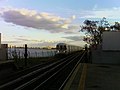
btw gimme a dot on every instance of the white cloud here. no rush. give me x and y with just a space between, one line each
74 38
112 13
10 42
37 20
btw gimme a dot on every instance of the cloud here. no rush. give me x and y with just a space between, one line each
74 38
112 13
38 41
29 40
21 39
37 20
33 43
10 42
42 44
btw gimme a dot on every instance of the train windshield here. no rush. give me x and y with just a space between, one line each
65 47
61 47
57 47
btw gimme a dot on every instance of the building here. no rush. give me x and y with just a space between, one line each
3 50
111 41
109 51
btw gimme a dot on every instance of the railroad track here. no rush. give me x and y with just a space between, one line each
44 78
24 72
57 80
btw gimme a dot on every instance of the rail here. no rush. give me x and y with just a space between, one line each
64 83
21 80
52 76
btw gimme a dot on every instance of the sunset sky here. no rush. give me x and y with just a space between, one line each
47 22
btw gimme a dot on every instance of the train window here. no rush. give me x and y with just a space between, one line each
65 47
60 47
57 46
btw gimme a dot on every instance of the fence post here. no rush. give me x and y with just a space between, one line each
42 53
51 53
25 55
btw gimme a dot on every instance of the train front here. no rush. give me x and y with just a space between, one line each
61 48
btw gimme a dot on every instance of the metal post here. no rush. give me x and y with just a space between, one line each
25 55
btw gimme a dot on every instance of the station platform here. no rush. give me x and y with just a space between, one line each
94 77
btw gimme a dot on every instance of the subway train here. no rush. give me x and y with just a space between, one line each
63 48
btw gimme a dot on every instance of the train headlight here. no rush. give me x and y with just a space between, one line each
64 51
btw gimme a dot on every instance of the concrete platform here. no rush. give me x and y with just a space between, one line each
102 77
95 77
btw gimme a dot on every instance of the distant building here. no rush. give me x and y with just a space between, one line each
4 52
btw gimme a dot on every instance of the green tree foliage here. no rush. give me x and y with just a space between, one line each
94 29
115 27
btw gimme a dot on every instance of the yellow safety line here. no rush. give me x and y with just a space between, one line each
67 86
81 85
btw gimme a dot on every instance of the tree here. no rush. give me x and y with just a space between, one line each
94 29
115 27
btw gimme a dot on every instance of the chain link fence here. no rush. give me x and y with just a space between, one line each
32 53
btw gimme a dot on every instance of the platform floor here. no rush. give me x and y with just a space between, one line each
95 77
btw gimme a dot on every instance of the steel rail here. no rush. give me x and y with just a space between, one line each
41 76
10 84
62 86
37 88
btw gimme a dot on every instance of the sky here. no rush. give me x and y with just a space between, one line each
41 23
